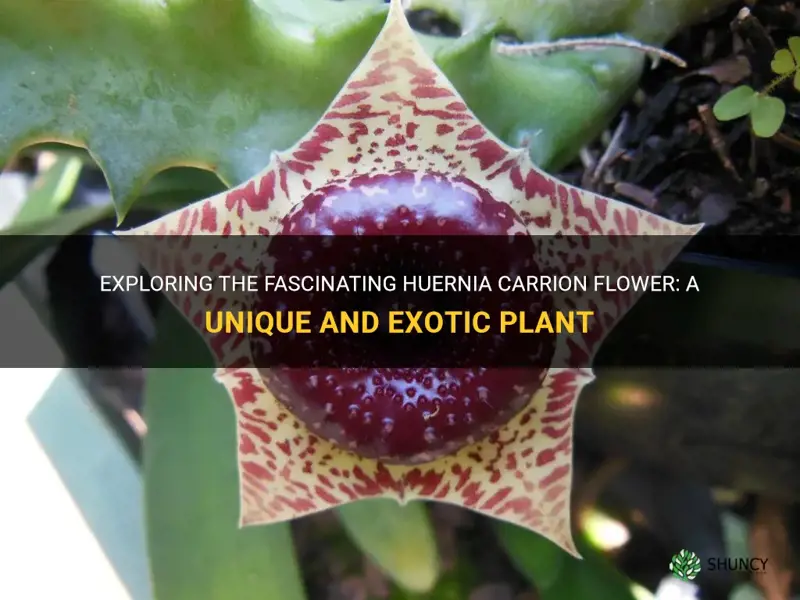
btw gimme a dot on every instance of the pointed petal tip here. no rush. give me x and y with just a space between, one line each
567 542
694 229
146 229
397 110
679 229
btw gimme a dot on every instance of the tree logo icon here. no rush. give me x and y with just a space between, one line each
685 565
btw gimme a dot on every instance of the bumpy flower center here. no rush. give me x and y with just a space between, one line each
403 398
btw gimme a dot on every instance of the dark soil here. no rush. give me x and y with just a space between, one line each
673 157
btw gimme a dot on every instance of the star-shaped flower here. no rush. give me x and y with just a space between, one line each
399 125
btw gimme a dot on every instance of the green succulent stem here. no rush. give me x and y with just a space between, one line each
220 85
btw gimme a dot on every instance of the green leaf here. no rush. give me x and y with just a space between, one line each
735 104
767 115
50 191
220 84
170 190
20 245
736 534
400 539
783 62
34 150
196 548
794 46
558 576
454 584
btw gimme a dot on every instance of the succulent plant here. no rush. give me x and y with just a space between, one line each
398 126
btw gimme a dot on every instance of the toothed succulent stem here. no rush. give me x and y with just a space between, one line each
651 22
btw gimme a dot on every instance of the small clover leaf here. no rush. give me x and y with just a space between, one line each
767 115
783 62
787 61
766 112
794 47
736 103
784 58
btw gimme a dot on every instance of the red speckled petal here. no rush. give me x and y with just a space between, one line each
398 111
521 474
604 236
208 232
286 471
198 255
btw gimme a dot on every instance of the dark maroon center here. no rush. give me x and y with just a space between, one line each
400 398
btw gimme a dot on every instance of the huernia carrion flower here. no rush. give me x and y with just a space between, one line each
398 140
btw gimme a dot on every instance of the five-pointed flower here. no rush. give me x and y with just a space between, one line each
398 145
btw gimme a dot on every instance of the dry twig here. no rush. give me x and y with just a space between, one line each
717 142
612 152
638 194
582 44
787 142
